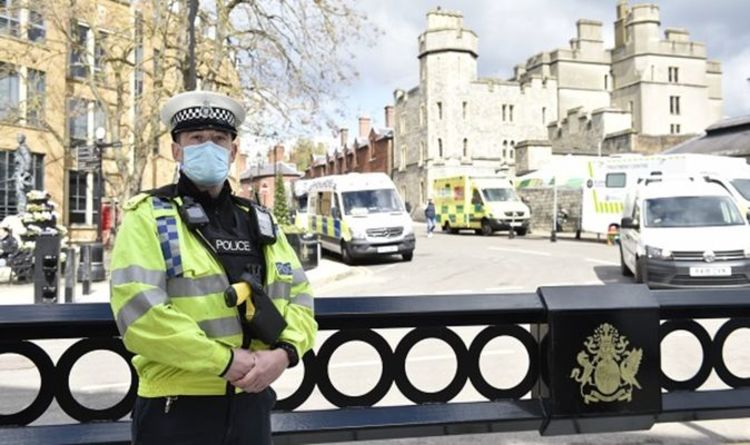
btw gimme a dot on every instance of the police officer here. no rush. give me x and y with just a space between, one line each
204 373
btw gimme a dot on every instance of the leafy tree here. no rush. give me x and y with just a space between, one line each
303 151
280 206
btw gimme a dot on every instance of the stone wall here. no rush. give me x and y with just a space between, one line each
540 201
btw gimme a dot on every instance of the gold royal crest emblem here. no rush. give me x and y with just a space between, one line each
607 368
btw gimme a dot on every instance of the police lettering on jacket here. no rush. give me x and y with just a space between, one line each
236 246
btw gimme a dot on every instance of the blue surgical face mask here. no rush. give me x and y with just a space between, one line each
206 164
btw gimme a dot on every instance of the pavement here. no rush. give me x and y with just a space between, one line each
329 269
326 272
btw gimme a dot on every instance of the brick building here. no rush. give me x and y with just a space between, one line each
370 151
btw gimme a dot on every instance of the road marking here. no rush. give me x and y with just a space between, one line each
428 358
594 260
384 268
499 289
459 291
103 387
569 283
529 252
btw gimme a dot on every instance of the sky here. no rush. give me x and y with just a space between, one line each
511 31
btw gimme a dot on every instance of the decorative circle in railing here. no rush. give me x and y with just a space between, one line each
64 395
413 393
475 371
704 339
46 388
380 389
720 364
306 387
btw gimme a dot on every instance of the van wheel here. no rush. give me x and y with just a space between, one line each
407 256
447 228
521 231
346 253
639 275
486 228
623 267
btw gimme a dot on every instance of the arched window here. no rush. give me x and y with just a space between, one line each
466 147
440 148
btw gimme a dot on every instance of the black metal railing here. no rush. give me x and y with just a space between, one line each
355 319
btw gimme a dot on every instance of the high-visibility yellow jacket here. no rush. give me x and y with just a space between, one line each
179 326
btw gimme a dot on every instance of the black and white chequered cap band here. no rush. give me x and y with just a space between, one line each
202 114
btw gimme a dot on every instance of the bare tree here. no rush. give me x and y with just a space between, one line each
293 58
286 59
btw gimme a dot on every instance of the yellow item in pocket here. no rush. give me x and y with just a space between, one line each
239 293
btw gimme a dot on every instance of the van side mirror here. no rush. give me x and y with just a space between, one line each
629 223
335 212
747 216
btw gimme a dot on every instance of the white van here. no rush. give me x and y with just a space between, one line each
360 215
610 179
684 232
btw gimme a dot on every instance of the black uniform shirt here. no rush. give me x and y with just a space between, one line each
228 231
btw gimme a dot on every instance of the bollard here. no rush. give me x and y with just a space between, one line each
70 275
553 236
46 264
86 268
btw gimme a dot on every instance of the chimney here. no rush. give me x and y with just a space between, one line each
276 154
364 127
389 114
344 132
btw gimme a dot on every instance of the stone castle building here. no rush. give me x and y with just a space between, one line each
644 95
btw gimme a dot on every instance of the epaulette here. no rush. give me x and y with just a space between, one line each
244 201
133 202
166 192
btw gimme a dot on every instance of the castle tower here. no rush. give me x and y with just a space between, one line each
642 27
447 50
622 16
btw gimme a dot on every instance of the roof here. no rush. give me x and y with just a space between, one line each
729 137
353 181
677 187
268 170
361 142
382 133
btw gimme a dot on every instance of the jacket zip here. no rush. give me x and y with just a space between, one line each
168 403
245 340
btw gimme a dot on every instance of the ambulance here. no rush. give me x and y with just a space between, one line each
484 204
610 179
359 215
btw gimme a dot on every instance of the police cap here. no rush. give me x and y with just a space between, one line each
199 110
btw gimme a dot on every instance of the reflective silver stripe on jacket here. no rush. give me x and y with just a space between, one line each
196 287
279 289
305 300
221 327
298 276
138 274
138 306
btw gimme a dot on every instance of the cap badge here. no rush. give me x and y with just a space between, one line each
205 109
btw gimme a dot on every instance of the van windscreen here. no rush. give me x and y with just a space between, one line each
371 201
692 211
500 194
742 186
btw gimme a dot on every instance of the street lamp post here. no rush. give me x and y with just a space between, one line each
99 144
256 183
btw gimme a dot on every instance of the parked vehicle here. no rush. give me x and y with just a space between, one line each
360 215
611 178
684 232
482 203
